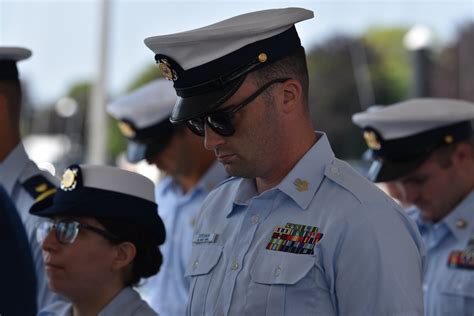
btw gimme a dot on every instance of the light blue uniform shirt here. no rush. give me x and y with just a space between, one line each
15 169
127 303
447 290
167 292
367 263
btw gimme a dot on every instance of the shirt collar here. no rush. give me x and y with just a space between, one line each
12 167
302 182
460 221
304 179
123 300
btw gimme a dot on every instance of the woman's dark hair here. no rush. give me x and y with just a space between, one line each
148 259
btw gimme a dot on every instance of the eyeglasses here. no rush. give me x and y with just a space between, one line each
221 121
67 231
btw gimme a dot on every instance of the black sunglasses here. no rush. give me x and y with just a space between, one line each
221 121
67 231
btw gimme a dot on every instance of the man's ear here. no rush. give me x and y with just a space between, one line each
464 153
292 95
125 252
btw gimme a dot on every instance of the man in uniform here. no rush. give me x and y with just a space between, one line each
296 231
191 172
20 176
425 148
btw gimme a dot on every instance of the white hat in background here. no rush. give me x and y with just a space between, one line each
403 135
143 117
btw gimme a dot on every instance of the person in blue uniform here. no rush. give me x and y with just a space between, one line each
190 171
101 238
425 148
295 231
21 177
17 271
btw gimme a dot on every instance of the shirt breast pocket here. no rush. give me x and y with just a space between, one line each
279 279
457 293
203 260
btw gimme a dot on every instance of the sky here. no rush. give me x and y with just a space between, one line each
65 35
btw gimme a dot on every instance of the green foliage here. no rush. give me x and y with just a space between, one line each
150 73
392 72
116 143
334 95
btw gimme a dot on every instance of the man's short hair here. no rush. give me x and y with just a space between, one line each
293 66
443 155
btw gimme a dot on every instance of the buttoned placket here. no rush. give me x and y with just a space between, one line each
257 210
433 236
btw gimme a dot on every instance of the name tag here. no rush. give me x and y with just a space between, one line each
204 238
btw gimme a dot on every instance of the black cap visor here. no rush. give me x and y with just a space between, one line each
385 170
150 142
199 105
99 203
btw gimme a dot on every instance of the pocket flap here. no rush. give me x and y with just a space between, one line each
275 267
203 259
460 284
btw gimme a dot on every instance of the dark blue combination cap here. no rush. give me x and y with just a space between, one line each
9 56
402 136
208 65
143 118
105 192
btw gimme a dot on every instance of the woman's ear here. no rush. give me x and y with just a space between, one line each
125 252
292 94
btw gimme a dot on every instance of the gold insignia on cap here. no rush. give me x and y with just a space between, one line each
69 180
461 223
126 129
372 140
448 139
41 187
167 71
301 185
262 57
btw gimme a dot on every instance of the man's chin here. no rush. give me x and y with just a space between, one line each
429 215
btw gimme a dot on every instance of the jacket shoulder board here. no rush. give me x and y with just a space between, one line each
39 187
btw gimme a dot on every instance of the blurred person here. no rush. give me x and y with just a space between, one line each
425 147
190 174
295 231
17 271
396 191
101 239
21 178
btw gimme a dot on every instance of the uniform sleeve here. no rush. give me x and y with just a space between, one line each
17 273
378 269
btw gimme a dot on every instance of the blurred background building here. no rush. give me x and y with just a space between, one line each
361 53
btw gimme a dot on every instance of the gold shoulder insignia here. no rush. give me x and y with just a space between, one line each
39 187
